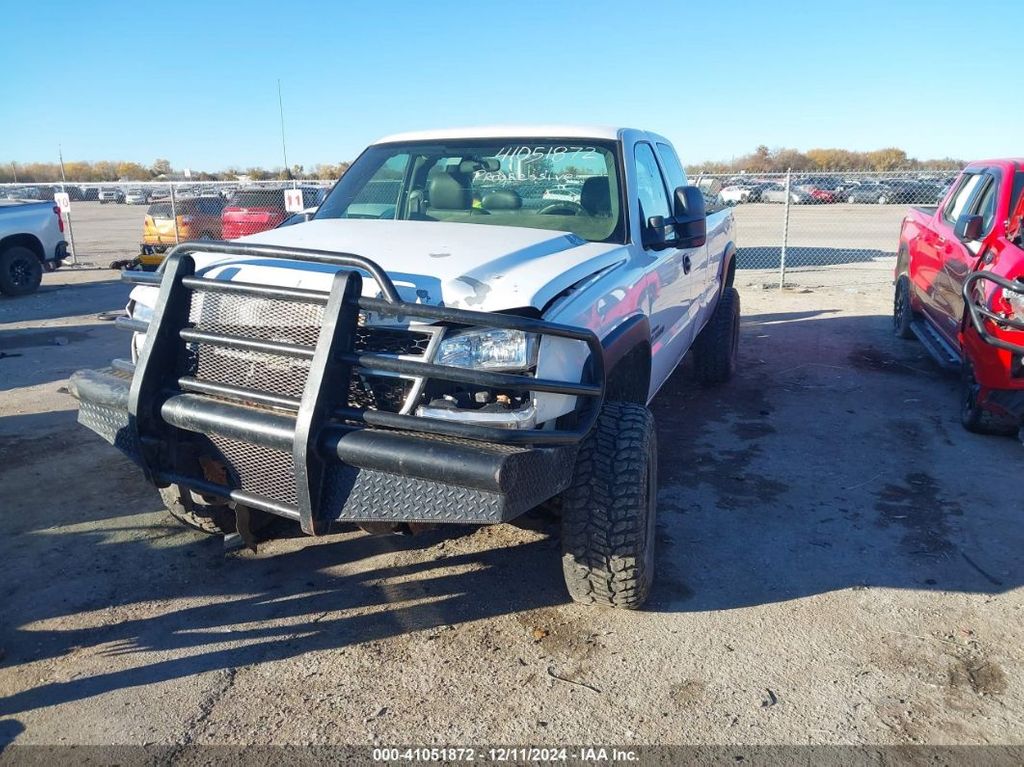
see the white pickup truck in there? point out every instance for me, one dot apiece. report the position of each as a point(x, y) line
point(438, 344)
point(31, 242)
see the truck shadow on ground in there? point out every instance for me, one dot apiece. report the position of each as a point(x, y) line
point(798, 478)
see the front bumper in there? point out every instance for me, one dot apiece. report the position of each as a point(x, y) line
point(322, 457)
point(371, 474)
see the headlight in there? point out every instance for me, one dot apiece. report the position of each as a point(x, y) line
point(1016, 302)
point(139, 311)
point(493, 349)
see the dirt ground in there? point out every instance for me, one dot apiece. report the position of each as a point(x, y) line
point(838, 562)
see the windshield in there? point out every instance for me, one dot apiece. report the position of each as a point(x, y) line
point(568, 186)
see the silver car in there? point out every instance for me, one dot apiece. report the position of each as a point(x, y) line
point(776, 192)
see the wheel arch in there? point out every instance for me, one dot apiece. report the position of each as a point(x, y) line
point(727, 275)
point(627, 360)
point(903, 259)
point(24, 240)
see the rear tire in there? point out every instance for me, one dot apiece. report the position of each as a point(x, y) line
point(973, 416)
point(903, 315)
point(717, 346)
point(20, 271)
point(192, 511)
point(609, 509)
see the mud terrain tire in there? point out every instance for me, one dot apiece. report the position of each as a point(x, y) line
point(608, 512)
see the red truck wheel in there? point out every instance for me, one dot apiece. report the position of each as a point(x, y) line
point(974, 416)
point(902, 309)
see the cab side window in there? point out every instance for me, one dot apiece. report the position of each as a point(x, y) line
point(650, 185)
point(958, 202)
point(986, 205)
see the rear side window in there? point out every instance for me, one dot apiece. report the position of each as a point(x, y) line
point(670, 162)
point(1018, 190)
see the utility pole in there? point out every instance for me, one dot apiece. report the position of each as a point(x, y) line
point(15, 169)
point(280, 106)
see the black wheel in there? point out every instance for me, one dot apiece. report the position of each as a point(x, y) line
point(717, 346)
point(608, 512)
point(193, 511)
point(20, 271)
point(973, 416)
point(902, 309)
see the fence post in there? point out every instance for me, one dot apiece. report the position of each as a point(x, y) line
point(174, 214)
point(785, 232)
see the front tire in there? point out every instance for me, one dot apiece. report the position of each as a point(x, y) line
point(192, 511)
point(609, 510)
point(973, 416)
point(717, 347)
point(20, 271)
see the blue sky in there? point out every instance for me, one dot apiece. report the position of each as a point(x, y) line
point(197, 82)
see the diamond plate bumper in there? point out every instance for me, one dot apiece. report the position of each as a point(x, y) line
point(371, 475)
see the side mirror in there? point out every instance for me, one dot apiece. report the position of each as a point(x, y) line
point(968, 228)
point(690, 218)
point(658, 233)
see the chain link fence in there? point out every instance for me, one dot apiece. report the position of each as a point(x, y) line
point(820, 229)
point(807, 229)
point(115, 223)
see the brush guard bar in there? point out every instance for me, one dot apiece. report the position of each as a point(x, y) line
point(977, 312)
point(341, 461)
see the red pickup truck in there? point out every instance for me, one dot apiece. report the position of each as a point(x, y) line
point(960, 290)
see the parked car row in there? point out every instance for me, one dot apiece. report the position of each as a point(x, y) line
point(825, 190)
point(211, 217)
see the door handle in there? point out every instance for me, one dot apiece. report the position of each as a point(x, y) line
point(687, 264)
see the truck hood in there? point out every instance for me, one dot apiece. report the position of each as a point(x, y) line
point(468, 266)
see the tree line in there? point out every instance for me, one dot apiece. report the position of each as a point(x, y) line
point(765, 160)
point(761, 160)
point(77, 171)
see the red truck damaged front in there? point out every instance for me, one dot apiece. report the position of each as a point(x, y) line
point(960, 289)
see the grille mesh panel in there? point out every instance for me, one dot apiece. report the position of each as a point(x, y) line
point(267, 319)
point(260, 470)
point(254, 370)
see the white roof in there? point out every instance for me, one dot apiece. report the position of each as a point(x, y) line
point(605, 133)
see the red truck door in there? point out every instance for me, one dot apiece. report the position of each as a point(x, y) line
point(950, 258)
point(960, 256)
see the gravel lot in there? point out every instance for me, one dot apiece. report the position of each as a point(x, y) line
point(839, 562)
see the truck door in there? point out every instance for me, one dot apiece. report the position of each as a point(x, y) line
point(937, 254)
point(961, 256)
point(704, 267)
point(671, 286)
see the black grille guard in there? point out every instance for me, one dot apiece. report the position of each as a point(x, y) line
point(313, 427)
point(978, 313)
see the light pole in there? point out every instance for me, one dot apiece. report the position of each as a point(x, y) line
point(280, 107)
